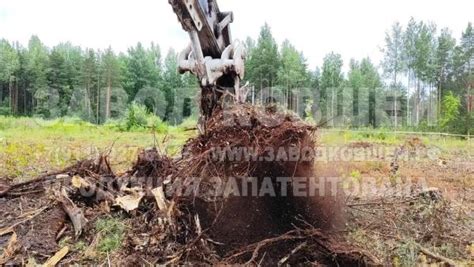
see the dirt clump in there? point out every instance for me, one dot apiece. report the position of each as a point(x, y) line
point(150, 163)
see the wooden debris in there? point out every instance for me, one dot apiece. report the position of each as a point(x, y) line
point(10, 250)
point(286, 258)
point(129, 202)
point(54, 260)
point(435, 256)
point(159, 195)
point(6, 230)
point(87, 185)
point(75, 214)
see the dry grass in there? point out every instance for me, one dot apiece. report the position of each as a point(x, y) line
point(397, 228)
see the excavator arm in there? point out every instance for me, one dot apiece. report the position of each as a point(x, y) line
point(212, 56)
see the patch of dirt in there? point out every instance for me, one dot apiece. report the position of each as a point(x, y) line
point(414, 229)
point(40, 238)
point(414, 142)
point(360, 144)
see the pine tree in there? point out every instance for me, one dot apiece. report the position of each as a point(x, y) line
point(110, 68)
point(171, 83)
point(424, 65)
point(331, 84)
point(355, 82)
point(73, 58)
point(58, 84)
point(409, 54)
point(372, 81)
point(9, 64)
point(89, 77)
point(37, 70)
point(444, 62)
point(292, 72)
point(155, 63)
point(264, 61)
point(467, 47)
point(25, 97)
point(141, 70)
point(393, 62)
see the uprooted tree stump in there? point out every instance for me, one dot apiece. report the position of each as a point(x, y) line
point(256, 154)
point(213, 225)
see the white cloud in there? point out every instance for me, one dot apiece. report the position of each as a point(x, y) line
point(351, 28)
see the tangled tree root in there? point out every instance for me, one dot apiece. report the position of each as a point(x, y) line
point(168, 226)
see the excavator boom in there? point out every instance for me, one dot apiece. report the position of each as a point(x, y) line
point(212, 56)
point(205, 18)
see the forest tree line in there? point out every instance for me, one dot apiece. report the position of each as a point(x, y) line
point(66, 80)
point(425, 78)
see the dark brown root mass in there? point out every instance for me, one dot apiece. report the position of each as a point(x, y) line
point(150, 163)
point(202, 228)
point(241, 220)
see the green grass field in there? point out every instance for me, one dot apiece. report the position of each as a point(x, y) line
point(29, 147)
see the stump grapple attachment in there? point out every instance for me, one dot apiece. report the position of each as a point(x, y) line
point(212, 56)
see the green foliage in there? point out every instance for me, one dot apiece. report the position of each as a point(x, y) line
point(332, 76)
point(9, 62)
point(189, 123)
point(364, 97)
point(406, 254)
point(292, 72)
point(141, 69)
point(444, 57)
point(451, 104)
point(171, 83)
point(47, 145)
point(58, 86)
point(136, 116)
point(139, 118)
point(110, 67)
point(331, 82)
point(9, 122)
point(89, 75)
point(5, 111)
point(393, 63)
point(36, 69)
point(264, 60)
point(93, 85)
point(80, 246)
point(111, 234)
